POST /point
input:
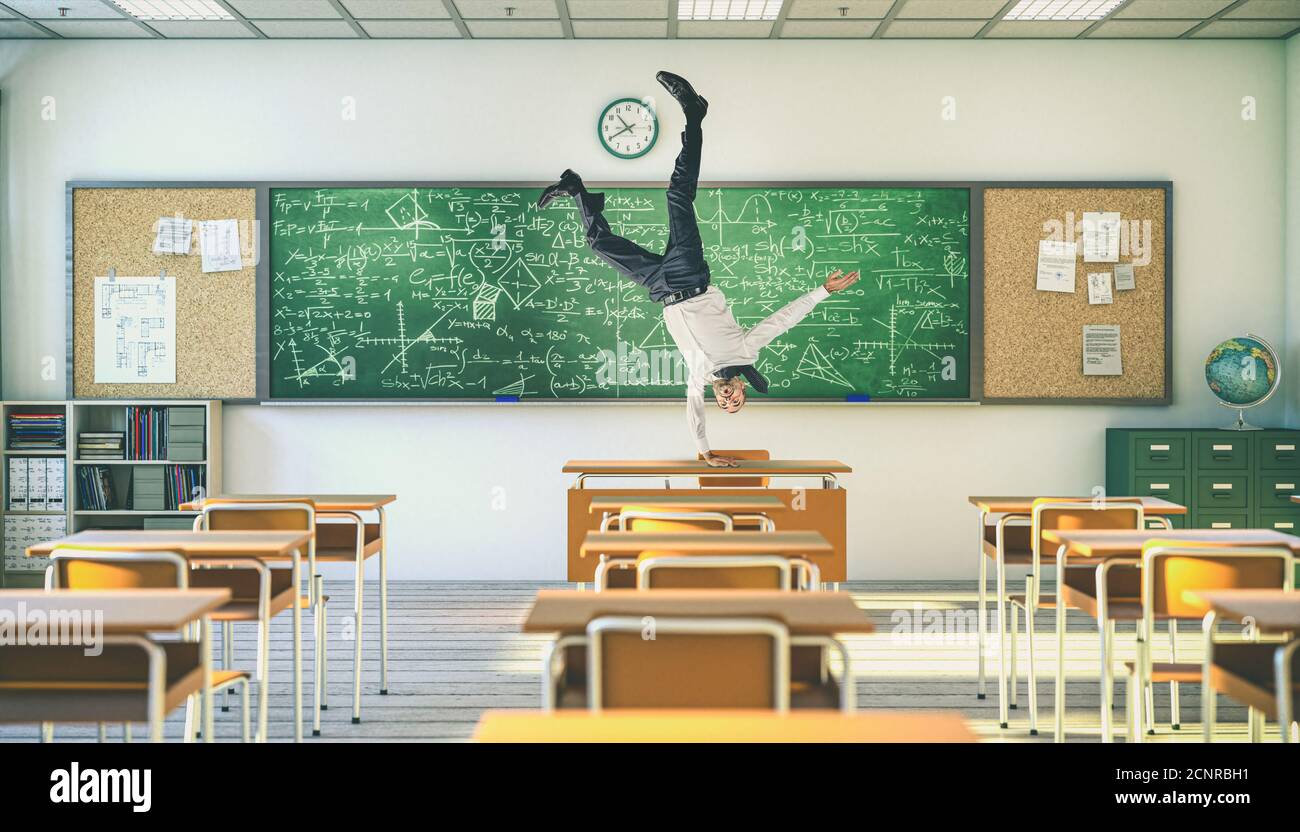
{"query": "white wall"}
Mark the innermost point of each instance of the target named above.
(794, 110)
(1291, 367)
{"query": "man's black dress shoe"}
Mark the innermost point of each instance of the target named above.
(693, 104)
(570, 184)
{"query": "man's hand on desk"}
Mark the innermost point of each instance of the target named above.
(716, 461)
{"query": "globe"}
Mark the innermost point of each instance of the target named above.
(1242, 372)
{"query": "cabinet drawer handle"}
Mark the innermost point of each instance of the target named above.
(1158, 486)
(1222, 447)
(1221, 525)
(1283, 524)
(1222, 486)
(1280, 448)
(1159, 447)
(1285, 486)
(1221, 457)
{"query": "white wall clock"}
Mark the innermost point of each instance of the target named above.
(628, 128)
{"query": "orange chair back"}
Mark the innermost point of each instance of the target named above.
(1175, 578)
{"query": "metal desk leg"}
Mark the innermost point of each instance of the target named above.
(982, 624)
(297, 646)
(1059, 694)
(205, 657)
(383, 602)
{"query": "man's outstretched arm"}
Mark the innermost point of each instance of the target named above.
(783, 319)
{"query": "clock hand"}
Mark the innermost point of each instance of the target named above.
(619, 133)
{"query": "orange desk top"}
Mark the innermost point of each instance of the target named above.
(1103, 543)
(804, 613)
(1272, 610)
(188, 544)
(694, 467)
(689, 725)
(632, 544)
(688, 501)
(323, 502)
(125, 611)
(1025, 505)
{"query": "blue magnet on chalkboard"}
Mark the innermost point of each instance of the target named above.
(858, 397)
(507, 398)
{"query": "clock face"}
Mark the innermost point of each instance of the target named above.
(628, 128)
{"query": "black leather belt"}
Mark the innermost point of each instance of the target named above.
(684, 294)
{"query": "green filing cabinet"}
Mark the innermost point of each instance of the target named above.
(1227, 479)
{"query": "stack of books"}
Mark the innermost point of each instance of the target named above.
(146, 432)
(101, 445)
(95, 488)
(182, 482)
(36, 431)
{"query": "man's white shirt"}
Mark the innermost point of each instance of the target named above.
(709, 339)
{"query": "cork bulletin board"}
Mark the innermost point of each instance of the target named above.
(1033, 340)
(113, 227)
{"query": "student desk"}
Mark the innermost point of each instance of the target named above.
(133, 613)
(1093, 547)
(326, 503)
(691, 725)
(1271, 612)
(820, 509)
(565, 612)
(1013, 512)
(210, 545)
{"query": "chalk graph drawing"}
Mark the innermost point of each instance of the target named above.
(135, 330)
(473, 292)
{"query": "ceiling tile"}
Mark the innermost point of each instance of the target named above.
(391, 9)
(933, 28)
(306, 28)
(515, 28)
(410, 28)
(18, 29)
(1289, 9)
(493, 9)
(1142, 28)
(1247, 28)
(620, 28)
(828, 28)
(201, 29)
(96, 28)
(939, 9)
(608, 9)
(284, 9)
(1181, 9)
(724, 29)
(77, 9)
(874, 9)
(1038, 29)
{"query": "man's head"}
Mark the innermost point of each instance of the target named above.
(730, 393)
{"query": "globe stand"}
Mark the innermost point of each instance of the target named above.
(1241, 423)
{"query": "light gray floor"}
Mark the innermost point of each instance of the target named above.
(456, 650)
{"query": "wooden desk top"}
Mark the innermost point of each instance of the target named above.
(805, 613)
(727, 503)
(188, 544)
(125, 611)
(1273, 610)
(1104, 543)
(690, 725)
(613, 467)
(631, 544)
(324, 502)
(1025, 505)
(1295, 498)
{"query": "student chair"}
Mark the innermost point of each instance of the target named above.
(737, 482)
(670, 662)
(668, 570)
(266, 592)
(109, 690)
(1260, 675)
(1172, 572)
(636, 518)
(1091, 589)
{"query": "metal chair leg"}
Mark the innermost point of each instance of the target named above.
(263, 682)
(356, 646)
(383, 602)
(1014, 635)
(1103, 627)
(227, 658)
(982, 623)
(1031, 608)
(318, 666)
(244, 713)
(102, 735)
(1174, 715)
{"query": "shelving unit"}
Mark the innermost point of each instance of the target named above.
(19, 527)
(201, 430)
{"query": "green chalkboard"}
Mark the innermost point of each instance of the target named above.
(472, 292)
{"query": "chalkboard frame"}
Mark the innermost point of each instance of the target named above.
(976, 188)
(975, 287)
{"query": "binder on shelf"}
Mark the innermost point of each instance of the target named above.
(18, 483)
(55, 484)
(36, 488)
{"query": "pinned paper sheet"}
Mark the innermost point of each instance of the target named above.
(1101, 350)
(135, 330)
(174, 235)
(1124, 276)
(1056, 266)
(219, 245)
(1101, 237)
(1099, 290)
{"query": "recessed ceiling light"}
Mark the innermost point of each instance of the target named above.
(1062, 9)
(728, 9)
(174, 9)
